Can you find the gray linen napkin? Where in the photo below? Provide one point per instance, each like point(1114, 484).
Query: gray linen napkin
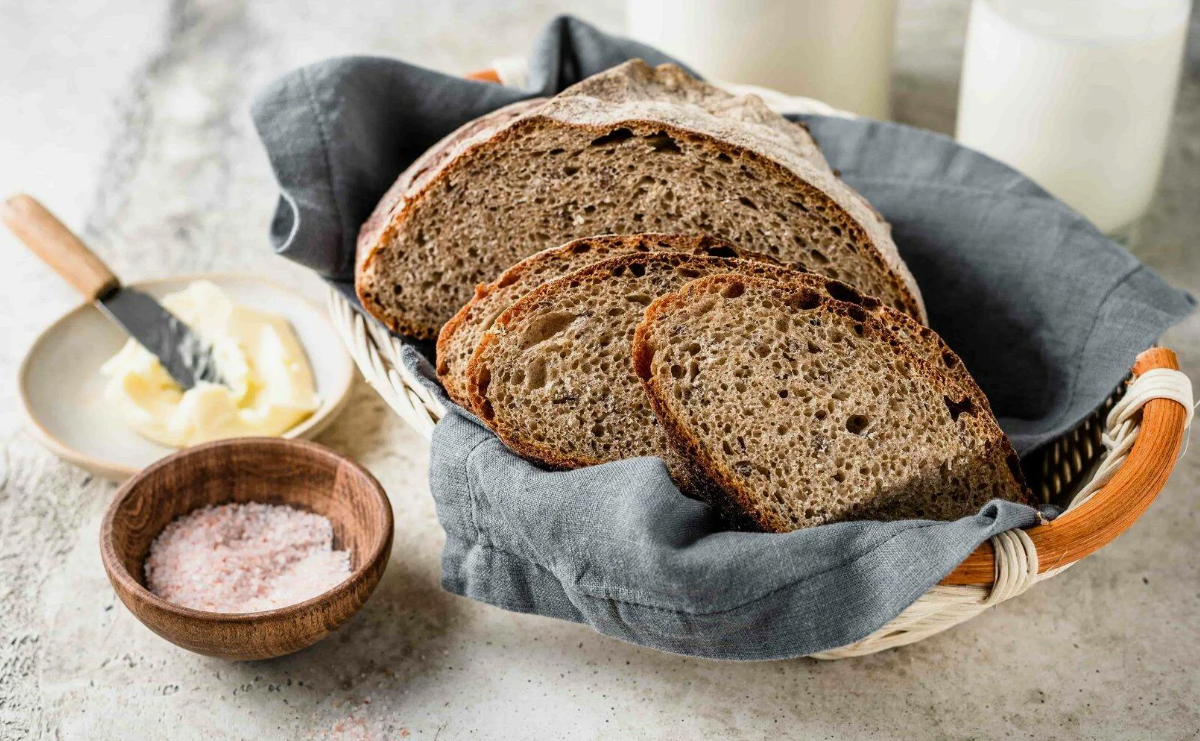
point(1045, 311)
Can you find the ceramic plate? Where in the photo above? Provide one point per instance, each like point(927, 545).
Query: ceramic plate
point(63, 392)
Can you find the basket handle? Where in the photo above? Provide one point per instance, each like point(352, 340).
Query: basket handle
point(1110, 512)
point(484, 75)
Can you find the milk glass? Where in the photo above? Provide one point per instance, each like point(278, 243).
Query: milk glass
point(1076, 94)
point(837, 51)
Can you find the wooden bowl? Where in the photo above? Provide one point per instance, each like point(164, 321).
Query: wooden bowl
point(268, 470)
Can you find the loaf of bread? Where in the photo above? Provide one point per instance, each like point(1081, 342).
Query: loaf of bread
point(553, 377)
point(797, 409)
point(460, 336)
point(631, 150)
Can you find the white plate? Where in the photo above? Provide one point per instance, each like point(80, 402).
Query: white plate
point(63, 393)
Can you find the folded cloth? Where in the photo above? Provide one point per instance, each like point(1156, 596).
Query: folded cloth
point(1045, 311)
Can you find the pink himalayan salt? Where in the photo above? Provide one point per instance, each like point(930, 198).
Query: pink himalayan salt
point(245, 558)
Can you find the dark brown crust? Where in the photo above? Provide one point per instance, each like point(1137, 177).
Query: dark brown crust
point(479, 370)
point(709, 476)
point(702, 244)
point(372, 241)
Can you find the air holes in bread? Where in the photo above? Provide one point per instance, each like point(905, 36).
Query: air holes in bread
point(535, 375)
point(663, 142)
point(733, 289)
point(958, 408)
point(545, 327)
point(856, 424)
point(720, 251)
point(806, 300)
point(843, 292)
point(616, 136)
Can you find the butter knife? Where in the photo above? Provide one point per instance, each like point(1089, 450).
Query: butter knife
point(182, 352)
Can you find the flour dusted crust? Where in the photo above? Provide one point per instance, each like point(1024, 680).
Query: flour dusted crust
point(436, 260)
point(641, 86)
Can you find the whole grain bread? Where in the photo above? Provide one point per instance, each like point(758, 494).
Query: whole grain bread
point(797, 409)
point(631, 150)
point(553, 377)
point(460, 336)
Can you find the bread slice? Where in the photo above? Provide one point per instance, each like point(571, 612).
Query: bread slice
point(631, 150)
point(554, 375)
point(460, 336)
point(798, 410)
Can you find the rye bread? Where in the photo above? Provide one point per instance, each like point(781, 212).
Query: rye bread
point(796, 409)
point(460, 336)
point(634, 149)
point(553, 377)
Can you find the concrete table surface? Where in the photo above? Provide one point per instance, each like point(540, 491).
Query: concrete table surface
point(130, 119)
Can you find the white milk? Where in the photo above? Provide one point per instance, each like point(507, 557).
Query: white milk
point(1076, 94)
point(838, 51)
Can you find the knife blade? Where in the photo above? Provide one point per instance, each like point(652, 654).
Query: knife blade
point(182, 352)
point(185, 355)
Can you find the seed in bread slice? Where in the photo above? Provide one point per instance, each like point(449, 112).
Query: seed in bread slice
point(554, 378)
point(799, 410)
point(460, 336)
point(633, 149)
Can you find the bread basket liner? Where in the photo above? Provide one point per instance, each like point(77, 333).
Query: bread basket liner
point(1046, 312)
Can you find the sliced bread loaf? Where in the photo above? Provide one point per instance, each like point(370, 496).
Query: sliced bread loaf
point(460, 336)
point(634, 149)
point(797, 410)
point(554, 376)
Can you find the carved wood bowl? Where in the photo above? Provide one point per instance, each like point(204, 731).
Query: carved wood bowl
point(267, 470)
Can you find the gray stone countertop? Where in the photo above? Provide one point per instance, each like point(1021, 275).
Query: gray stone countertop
point(130, 119)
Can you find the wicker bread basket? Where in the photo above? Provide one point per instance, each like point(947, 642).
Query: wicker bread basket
point(1106, 472)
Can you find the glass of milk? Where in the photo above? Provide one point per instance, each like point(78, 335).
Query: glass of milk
point(1076, 94)
point(837, 51)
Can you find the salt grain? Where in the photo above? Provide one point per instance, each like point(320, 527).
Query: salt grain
point(245, 558)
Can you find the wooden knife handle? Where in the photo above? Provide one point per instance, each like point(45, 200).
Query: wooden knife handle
point(58, 247)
